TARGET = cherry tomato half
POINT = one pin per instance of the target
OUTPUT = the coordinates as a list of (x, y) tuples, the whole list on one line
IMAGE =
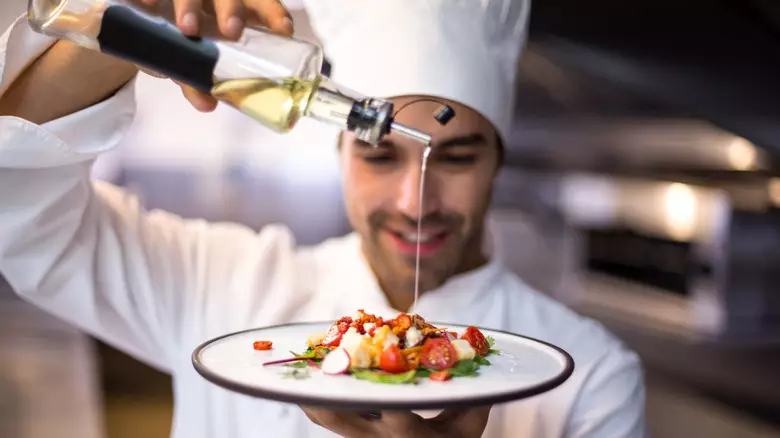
[(440, 376), (262, 345), (477, 340), (438, 354), (393, 360)]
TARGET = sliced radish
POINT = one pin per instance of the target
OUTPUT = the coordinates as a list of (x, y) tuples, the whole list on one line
[(336, 362)]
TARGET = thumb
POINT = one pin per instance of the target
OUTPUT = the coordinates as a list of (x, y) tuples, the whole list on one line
[(151, 73), (201, 101)]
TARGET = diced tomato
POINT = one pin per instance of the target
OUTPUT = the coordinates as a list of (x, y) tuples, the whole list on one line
[(438, 354), (372, 330), (393, 360), (347, 320), (263, 345), (453, 334), (440, 376), (334, 335), (477, 340), (404, 321)]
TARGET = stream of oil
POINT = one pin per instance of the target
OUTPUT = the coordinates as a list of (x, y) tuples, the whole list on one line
[(423, 168)]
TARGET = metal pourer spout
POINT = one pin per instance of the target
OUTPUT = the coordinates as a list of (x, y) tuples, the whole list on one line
[(371, 119), (412, 133)]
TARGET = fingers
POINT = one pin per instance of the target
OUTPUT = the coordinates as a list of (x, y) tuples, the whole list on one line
[(152, 73), (230, 17), (348, 425), (188, 16), (404, 424), (201, 101), (468, 423), (272, 14)]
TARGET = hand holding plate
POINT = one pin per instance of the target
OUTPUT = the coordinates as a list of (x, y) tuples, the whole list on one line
[(399, 424)]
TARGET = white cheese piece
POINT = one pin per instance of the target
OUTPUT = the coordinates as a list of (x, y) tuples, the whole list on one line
[(351, 341), (360, 357), (315, 339), (463, 349), (355, 345), (391, 339), (413, 337)]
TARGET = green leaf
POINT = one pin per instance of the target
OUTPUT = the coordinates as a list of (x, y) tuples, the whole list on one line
[(481, 360), (491, 341), (377, 377), (464, 368), (296, 374), (310, 353), (423, 372), (299, 364), (493, 351)]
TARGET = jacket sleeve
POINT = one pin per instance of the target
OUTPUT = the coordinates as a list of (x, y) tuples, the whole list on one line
[(612, 400), (89, 254)]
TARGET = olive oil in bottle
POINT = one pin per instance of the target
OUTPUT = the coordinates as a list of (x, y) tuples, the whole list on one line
[(276, 103)]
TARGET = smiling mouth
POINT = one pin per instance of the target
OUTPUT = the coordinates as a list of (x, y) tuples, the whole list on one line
[(429, 242), (421, 238)]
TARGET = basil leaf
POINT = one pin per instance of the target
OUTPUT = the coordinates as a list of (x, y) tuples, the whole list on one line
[(423, 372), (310, 353), (481, 360), (296, 374), (464, 368), (371, 376)]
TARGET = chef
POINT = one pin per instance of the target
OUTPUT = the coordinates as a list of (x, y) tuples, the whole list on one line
[(156, 285)]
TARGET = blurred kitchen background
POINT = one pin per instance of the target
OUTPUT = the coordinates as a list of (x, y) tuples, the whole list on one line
[(641, 188)]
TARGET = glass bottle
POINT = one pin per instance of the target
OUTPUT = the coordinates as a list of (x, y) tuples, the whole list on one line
[(274, 79)]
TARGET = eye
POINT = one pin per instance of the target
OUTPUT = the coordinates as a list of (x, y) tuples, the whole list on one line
[(460, 159), (379, 158)]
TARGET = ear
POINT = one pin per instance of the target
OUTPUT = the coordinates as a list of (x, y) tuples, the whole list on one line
[(500, 152), (342, 148)]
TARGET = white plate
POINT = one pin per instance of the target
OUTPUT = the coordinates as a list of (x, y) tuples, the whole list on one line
[(525, 367)]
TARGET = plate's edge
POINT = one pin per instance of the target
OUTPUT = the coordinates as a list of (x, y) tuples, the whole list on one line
[(348, 405)]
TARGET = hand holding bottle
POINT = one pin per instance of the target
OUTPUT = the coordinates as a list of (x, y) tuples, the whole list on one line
[(231, 17), (69, 77)]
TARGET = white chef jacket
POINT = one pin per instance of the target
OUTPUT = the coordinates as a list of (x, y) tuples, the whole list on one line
[(156, 286)]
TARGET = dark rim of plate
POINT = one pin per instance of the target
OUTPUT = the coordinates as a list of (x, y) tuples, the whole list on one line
[(352, 405)]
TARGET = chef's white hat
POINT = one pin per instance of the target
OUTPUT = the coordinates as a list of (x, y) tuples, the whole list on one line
[(462, 50)]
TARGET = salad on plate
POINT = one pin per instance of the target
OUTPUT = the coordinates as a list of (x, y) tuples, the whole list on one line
[(397, 351)]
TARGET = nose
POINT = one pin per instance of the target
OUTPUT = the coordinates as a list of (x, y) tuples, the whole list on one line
[(409, 195)]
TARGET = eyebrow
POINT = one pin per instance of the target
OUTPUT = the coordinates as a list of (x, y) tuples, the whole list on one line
[(462, 140)]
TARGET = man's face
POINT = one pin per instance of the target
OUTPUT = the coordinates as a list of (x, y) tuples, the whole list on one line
[(383, 200)]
